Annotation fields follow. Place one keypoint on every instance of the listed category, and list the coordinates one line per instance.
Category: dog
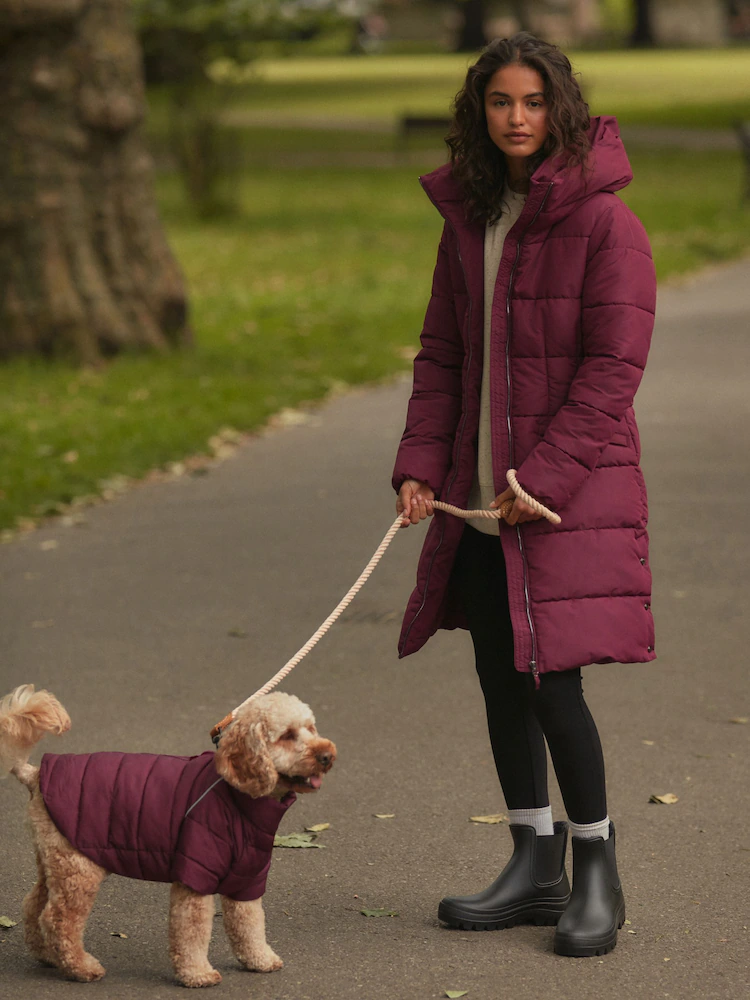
(206, 824)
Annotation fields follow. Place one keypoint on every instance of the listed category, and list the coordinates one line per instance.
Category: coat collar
(555, 190)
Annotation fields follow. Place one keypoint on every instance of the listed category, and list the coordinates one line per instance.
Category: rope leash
(500, 513)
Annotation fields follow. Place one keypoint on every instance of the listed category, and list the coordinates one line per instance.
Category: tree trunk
(471, 36)
(521, 12)
(85, 269)
(643, 33)
(586, 19)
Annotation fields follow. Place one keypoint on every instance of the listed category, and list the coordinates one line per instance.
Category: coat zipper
(533, 666)
(460, 432)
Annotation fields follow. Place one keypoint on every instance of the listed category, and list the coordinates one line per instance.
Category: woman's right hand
(414, 502)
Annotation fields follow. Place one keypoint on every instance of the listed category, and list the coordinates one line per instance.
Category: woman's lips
(518, 137)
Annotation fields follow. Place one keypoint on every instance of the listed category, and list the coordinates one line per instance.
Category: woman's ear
(243, 761)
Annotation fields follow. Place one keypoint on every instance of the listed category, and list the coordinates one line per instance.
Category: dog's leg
(190, 923)
(72, 882)
(245, 924)
(33, 905)
(72, 885)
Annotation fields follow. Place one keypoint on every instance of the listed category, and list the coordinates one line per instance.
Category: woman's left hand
(521, 511)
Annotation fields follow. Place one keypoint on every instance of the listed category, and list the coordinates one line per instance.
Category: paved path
(128, 620)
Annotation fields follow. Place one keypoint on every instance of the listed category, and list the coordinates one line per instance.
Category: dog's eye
(313, 730)
(290, 734)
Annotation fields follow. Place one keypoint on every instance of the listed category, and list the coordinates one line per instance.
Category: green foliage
(199, 50)
(183, 38)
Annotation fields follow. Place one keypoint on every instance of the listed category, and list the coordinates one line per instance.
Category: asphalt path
(176, 601)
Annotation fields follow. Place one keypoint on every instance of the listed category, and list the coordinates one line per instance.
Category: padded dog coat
(163, 819)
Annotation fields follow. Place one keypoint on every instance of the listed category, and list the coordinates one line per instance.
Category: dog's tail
(25, 716)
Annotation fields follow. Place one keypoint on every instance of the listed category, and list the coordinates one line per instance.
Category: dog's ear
(242, 758)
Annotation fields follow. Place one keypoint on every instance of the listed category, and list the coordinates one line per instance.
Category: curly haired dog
(206, 824)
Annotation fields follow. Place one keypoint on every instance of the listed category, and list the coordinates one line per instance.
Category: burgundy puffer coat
(163, 819)
(571, 325)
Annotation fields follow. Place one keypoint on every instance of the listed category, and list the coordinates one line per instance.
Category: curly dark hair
(478, 165)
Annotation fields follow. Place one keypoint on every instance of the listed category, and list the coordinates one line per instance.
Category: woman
(534, 343)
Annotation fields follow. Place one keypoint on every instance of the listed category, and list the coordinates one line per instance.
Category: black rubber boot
(533, 887)
(597, 907)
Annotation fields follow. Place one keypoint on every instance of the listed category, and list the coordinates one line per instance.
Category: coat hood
(556, 188)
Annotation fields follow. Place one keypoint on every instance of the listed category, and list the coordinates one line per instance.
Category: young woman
(533, 346)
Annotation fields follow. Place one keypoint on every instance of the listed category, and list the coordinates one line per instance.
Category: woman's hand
(414, 502)
(521, 511)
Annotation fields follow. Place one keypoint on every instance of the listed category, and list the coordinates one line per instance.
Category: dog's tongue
(316, 781)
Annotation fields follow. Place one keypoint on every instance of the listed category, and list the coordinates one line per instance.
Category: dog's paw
(200, 977)
(266, 961)
(87, 971)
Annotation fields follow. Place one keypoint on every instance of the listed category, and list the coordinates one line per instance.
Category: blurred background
(210, 209)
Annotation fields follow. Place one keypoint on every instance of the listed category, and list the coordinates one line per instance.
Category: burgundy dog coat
(163, 819)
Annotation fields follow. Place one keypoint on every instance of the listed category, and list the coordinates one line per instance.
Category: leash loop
(502, 512)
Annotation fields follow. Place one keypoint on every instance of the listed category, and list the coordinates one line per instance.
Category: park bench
(410, 125)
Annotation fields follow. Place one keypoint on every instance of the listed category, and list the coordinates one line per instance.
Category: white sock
(588, 831)
(540, 819)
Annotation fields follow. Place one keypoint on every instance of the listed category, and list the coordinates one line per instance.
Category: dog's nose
(324, 759)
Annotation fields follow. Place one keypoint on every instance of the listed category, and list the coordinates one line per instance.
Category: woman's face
(516, 111)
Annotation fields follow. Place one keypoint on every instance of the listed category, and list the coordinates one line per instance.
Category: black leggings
(519, 716)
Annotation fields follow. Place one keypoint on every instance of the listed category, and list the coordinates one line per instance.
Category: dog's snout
(325, 759)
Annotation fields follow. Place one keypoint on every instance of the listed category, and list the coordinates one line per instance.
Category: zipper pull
(535, 674)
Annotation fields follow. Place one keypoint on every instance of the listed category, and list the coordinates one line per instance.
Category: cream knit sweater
(483, 489)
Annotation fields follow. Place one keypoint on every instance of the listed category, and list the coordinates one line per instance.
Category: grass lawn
(706, 88)
(321, 280)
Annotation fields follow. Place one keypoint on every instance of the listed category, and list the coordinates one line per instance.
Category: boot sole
(541, 917)
(583, 949)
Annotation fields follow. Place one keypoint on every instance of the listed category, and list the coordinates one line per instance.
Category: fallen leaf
(295, 840)
(649, 743)
(453, 994)
(628, 923)
(7, 922)
(46, 623)
(384, 815)
(739, 720)
(495, 818)
(70, 457)
(668, 799)
(667, 959)
(51, 543)
(379, 913)
(237, 633)
(117, 934)
(632, 932)
(318, 828)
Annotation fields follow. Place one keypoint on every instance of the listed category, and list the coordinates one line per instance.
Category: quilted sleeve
(435, 405)
(619, 301)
